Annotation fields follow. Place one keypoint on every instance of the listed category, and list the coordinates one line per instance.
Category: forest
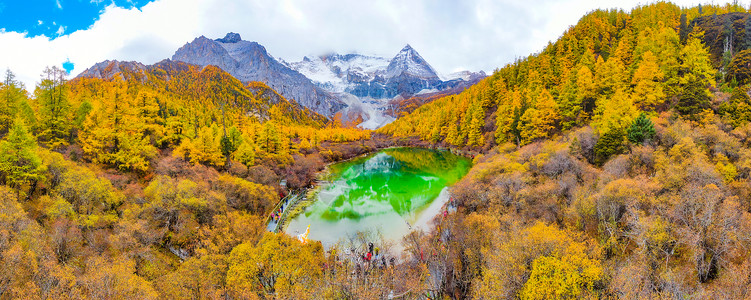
(615, 163)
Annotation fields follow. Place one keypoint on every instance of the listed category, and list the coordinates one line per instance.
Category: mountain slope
(409, 62)
(604, 71)
(405, 75)
(188, 81)
(370, 84)
(249, 61)
(339, 73)
(618, 155)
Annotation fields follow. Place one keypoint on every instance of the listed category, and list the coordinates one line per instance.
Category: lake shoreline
(383, 198)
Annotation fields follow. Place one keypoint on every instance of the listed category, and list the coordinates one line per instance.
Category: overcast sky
(451, 35)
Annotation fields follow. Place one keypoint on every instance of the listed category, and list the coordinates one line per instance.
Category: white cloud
(60, 30)
(39, 22)
(59, 5)
(450, 35)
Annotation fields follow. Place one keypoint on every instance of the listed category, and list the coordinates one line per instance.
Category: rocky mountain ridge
(356, 88)
(249, 61)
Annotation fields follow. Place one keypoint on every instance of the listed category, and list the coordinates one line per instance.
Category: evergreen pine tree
(683, 29)
(641, 129)
(737, 111)
(694, 99)
(611, 143)
(738, 69)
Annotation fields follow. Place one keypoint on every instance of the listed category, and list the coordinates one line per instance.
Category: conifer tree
(539, 121)
(474, 137)
(697, 77)
(246, 153)
(641, 129)
(609, 144)
(737, 111)
(617, 111)
(147, 110)
(269, 138)
(19, 162)
(683, 29)
(52, 95)
(452, 135)
(738, 69)
(504, 123)
(11, 94)
(570, 107)
(609, 76)
(647, 82)
(113, 133)
(695, 97)
(204, 149)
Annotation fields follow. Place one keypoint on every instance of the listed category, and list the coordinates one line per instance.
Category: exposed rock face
(108, 68)
(249, 61)
(409, 62)
(230, 38)
(350, 84)
(206, 78)
(369, 83)
(724, 32)
(405, 75)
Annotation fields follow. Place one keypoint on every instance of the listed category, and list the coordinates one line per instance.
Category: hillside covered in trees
(615, 163)
(113, 182)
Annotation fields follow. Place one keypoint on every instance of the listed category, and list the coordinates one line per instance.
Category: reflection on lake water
(388, 191)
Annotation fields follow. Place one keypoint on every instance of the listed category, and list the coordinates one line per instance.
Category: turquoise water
(389, 191)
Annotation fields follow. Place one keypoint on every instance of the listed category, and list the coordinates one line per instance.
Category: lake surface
(389, 191)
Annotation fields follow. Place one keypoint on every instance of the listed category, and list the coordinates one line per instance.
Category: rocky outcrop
(110, 68)
(405, 75)
(369, 83)
(249, 61)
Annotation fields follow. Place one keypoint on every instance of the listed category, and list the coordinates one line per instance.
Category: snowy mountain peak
(409, 62)
(368, 84)
(339, 73)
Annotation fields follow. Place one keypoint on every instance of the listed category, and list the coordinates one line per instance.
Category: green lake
(390, 192)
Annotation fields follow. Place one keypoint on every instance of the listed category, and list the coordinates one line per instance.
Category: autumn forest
(614, 163)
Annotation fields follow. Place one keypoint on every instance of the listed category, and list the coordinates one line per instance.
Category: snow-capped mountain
(464, 75)
(353, 86)
(249, 61)
(338, 73)
(368, 83)
(409, 62)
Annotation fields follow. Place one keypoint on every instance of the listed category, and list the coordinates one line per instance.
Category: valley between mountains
(614, 162)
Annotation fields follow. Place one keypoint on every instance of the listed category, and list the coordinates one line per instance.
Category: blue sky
(53, 18)
(451, 35)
